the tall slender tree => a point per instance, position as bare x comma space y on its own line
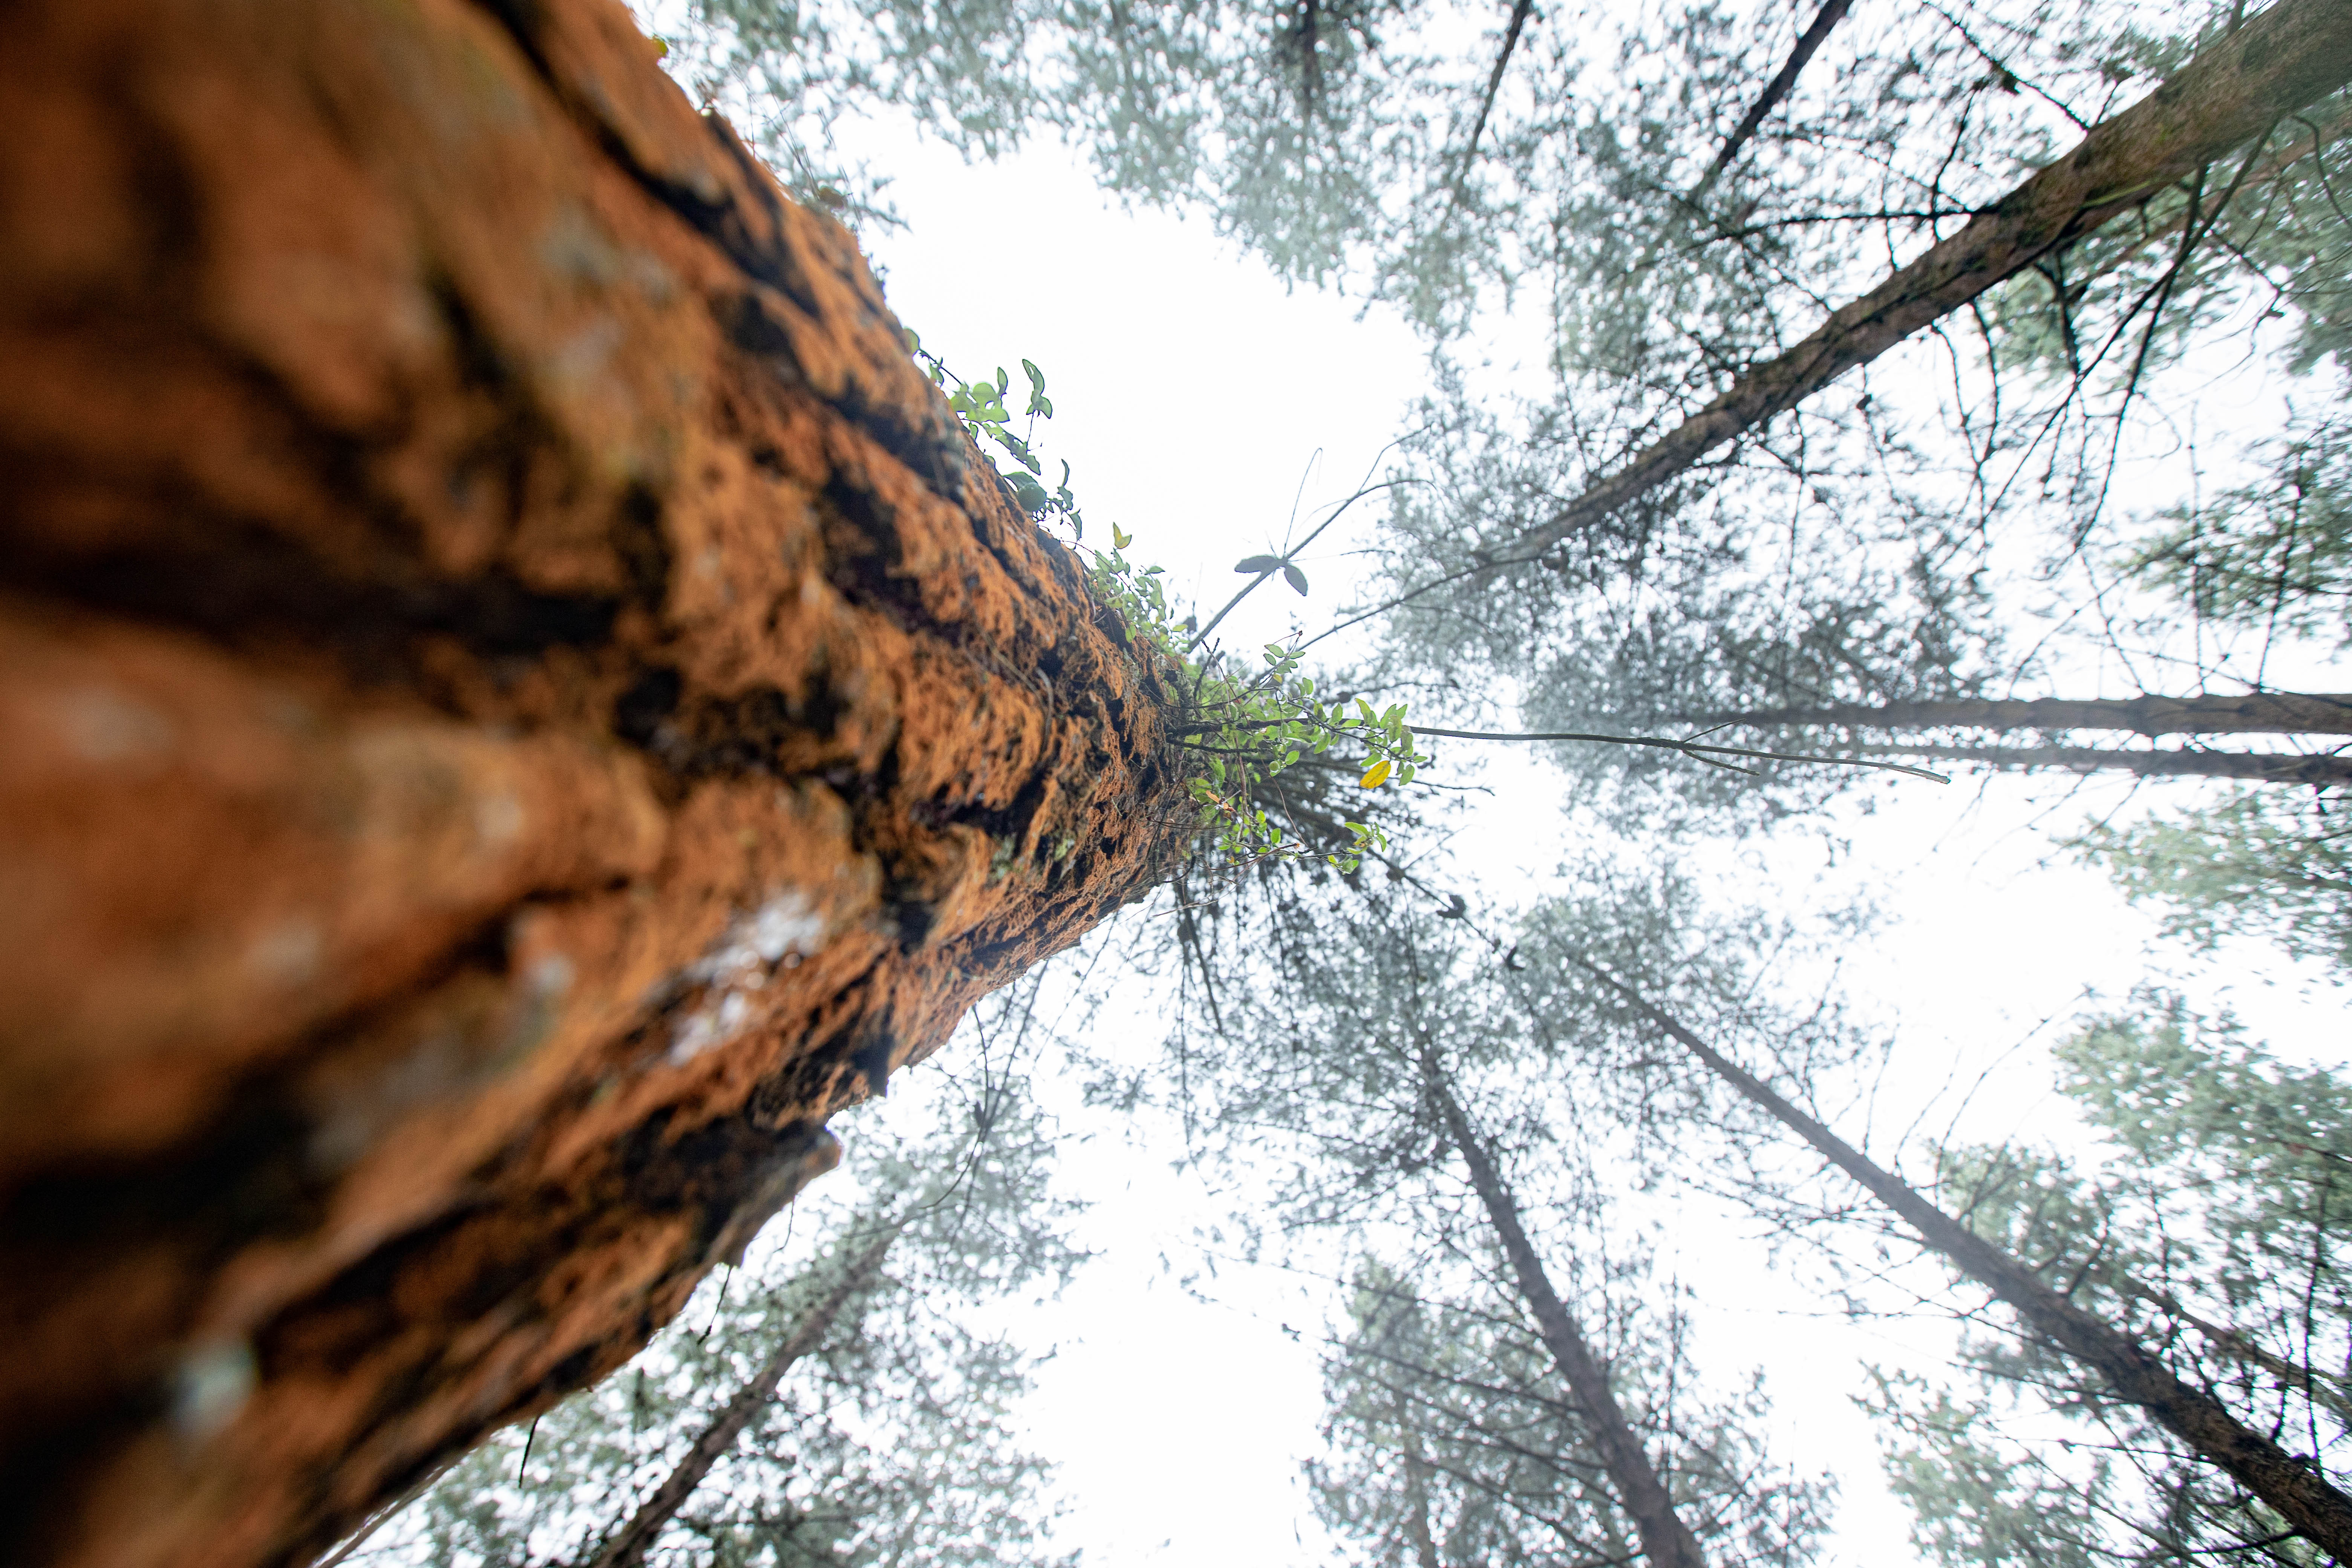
1449, 1440
1666, 1539
2105, 1346
1370, 1081
2210, 1214
626, 1547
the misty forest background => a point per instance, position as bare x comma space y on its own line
2081, 542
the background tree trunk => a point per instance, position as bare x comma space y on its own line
1809, 41
627, 1547
2251, 713
2291, 1484
2238, 87
2263, 767
1667, 1541
1416, 1483
512, 680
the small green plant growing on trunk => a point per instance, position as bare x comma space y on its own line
1239, 729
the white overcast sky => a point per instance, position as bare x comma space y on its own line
1192, 393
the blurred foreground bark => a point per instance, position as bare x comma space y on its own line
518, 701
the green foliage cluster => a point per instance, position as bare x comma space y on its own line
982, 407
2274, 555
2257, 863
1240, 730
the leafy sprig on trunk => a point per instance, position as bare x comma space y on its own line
1238, 730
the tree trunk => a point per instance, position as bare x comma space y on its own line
1827, 17
1416, 1492
514, 682
2266, 767
1520, 11
625, 1548
2254, 713
1666, 1539
2292, 1485
2237, 88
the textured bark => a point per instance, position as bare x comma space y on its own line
519, 701
2237, 88
2252, 714
2288, 1483
1667, 1541
625, 1548
2260, 767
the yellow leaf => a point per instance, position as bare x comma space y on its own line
1377, 774
1119, 538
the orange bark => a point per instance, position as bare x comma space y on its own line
512, 680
